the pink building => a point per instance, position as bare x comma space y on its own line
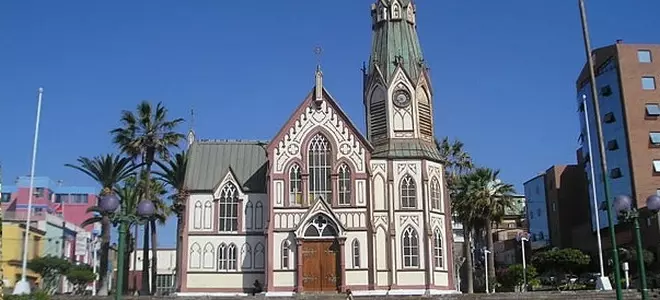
71, 202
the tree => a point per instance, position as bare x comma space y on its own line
50, 268
129, 193
457, 161
173, 173
561, 261
162, 212
493, 197
108, 171
513, 277
80, 276
146, 136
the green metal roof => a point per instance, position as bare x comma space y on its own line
407, 148
396, 38
210, 160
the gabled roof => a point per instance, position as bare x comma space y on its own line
334, 105
211, 160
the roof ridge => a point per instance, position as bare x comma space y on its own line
232, 141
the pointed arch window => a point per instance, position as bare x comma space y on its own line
232, 261
259, 215
197, 215
249, 215
356, 253
437, 249
259, 256
435, 194
208, 214
208, 256
246, 256
396, 11
222, 257
344, 185
286, 254
410, 248
228, 208
408, 192
320, 167
295, 185
195, 256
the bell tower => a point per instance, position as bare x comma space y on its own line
397, 89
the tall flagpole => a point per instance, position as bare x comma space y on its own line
603, 281
23, 287
601, 148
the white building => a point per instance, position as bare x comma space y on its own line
321, 207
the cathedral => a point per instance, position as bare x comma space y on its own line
322, 207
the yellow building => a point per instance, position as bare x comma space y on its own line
12, 251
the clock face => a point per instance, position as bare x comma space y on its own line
401, 98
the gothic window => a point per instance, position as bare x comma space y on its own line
208, 214
410, 248
286, 253
259, 256
195, 256
437, 248
408, 193
246, 256
320, 158
320, 227
259, 216
396, 11
208, 256
197, 215
222, 257
249, 208
344, 185
377, 114
435, 194
228, 208
356, 254
232, 261
295, 185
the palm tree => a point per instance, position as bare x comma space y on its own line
129, 193
162, 212
174, 174
490, 197
107, 170
146, 136
457, 161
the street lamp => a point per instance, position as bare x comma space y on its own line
627, 211
486, 252
95, 243
523, 237
109, 204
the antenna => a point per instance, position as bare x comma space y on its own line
318, 51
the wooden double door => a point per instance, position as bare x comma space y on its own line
320, 271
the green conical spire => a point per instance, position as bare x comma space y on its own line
395, 40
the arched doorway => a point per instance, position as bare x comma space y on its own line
320, 256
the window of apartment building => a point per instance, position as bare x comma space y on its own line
652, 109
655, 138
648, 83
612, 145
609, 117
6, 197
39, 192
78, 198
644, 56
656, 167
606, 91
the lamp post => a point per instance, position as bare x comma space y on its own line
626, 209
109, 204
486, 252
523, 237
95, 250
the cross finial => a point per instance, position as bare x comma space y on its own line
318, 51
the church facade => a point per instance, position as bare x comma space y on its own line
321, 207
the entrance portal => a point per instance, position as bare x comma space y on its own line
320, 249
320, 266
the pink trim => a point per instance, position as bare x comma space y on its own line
299, 265
334, 188
185, 248
342, 264
287, 182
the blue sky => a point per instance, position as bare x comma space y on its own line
503, 72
